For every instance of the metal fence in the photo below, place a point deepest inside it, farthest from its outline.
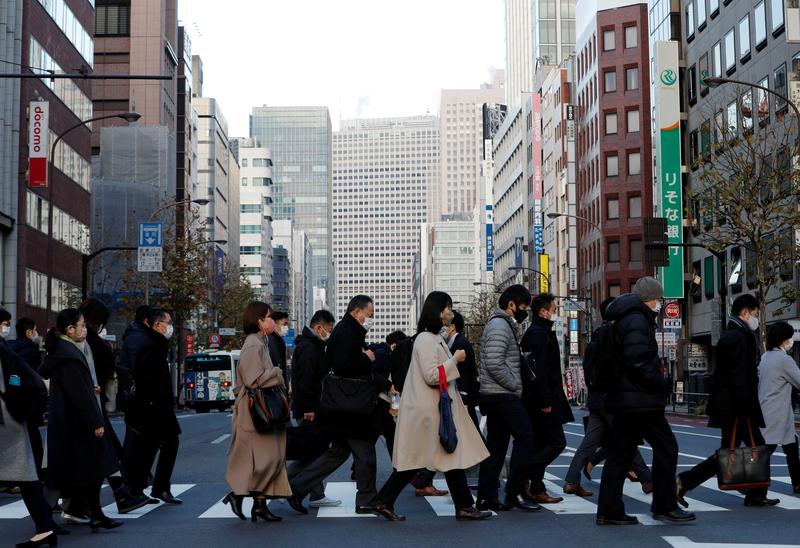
(690, 403)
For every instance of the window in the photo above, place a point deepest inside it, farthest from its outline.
(701, 14)
(705, 137)
(250, 208)
(747, 109)
(703, 67)
(634, 163)
(691, 84)
(731, 122)
(632, 121)
(693, 144)
(708, 277)
(634, 207)
(250, 250)
(777, 16)
(612, 209)
(716, 60)
(635, 249)
(611, 123)
(35, 288)
(780, 86)
(744, 38)
(612, 165)
(244, 162)
(244, 181)
(614, 290)
(631, 37)
(730, 52)
(713, 7)
(613, 252)
(689, 20)
(250, 229)
(608, 40)
(610, 81)
(632, 78)
(37, 210)
(760, 23)
(763, 101)
(112, 20)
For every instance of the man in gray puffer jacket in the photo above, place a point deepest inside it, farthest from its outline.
(501, 403)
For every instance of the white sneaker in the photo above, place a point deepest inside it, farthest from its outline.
(324, 501)
(75, 520)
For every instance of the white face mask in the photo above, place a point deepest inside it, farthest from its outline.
(445, 333)
(284, 330)
(5, 330)
(170, 331)
(657, 309)
(788, 347)
(103, 333)
(752, 323)
(324, 335)
(368, 323)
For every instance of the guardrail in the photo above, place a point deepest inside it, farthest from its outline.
(690, 403)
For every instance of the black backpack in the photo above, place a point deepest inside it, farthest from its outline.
(25, 392)
(603, 359)
(400, 361)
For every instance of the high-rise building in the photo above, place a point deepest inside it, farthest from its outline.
(255, 215)
(461, 138)
(293, 291)
(614, 151)
(186, 128)
(299, 139)
(455, 262)
(384, 171)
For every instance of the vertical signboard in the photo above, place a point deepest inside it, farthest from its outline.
(544, 273)
(536, 116)
(38, 145)
(489, 238)
(518, 245)
(668, 160)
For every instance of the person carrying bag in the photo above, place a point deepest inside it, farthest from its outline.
(448, 435)
(745, 467)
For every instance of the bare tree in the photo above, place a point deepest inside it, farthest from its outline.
(481, 308)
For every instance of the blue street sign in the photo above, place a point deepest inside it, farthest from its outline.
(150, 235)
(289, 338)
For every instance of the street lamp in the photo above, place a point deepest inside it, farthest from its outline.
(525, 268)
(129, 117)
(198, 201)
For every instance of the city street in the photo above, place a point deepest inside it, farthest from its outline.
(203, 521)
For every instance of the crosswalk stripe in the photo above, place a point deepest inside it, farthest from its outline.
(222, 510)
(570, 504)
(15, 510)
(111, 509)
(443, 506)
(346, 492)
(788, 502)
(220, 439)
(634, 491)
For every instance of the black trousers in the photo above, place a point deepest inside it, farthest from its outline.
(505, 419)
(36, 446)
(548, 443)
(37, 507)
(627, 430)
(389, 427)
(142, 453)
(792, 460)
(456, 482)
(708, 468)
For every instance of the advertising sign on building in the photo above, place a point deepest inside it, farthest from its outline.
(38, 142)
(544, 273)
(538, 231)
(668, 158)
(518, 244)
(489, 238)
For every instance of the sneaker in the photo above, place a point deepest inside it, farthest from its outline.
(75, 520)
(324, 502)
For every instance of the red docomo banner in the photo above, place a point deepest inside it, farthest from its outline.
(38, 133)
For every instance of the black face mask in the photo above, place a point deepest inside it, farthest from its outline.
(520, 315)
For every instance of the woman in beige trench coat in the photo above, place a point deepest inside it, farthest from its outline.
(416, 439)
(256, 462)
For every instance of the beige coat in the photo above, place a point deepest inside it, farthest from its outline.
(256, 462)
(416, 439)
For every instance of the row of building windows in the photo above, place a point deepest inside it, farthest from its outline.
(777, 18)
(63, 296)
(72, 164)
(250, 208)
(64, 88)
(70, 231)
(634, 164)
(631, 122)
(71, 27)
(258, 162)
(257, 181)
(113, 19)
(250, 250)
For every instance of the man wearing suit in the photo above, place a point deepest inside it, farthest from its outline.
(468, 369)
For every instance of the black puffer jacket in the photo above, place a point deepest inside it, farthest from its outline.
(308, 368)
(641, 386)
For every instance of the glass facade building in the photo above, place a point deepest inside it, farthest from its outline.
(299, 139)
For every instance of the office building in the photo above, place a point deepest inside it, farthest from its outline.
(293, 289)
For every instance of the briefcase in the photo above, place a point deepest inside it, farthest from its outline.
(347, 395)
(743, 467)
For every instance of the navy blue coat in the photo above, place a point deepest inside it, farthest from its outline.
(548, 390)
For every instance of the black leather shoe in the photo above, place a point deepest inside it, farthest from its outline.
(676, 516)
(260, 510)
(129, 503)
(619, 520)
(49, 540)
(236, 504)
(472, 514)
(387, 512)
(521, 504)
(493, 504)
(680, 492)
(297, 504)
(166, 496)
(365, 510)
(104, 523)
(763, 501)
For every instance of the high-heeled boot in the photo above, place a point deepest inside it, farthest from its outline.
(236, 504)
(260, 510)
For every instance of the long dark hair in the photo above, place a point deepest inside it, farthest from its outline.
(65, 318)
(430, 319)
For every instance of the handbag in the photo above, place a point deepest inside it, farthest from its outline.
(269, 408)
(447, 427)
(346, 395)
(743, 467)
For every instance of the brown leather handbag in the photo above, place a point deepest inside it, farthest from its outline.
(743, 467)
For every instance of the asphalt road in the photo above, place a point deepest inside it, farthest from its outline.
(202, 521)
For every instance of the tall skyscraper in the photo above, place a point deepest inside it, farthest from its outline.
(384, 171)
(299, 139)
(461, 138)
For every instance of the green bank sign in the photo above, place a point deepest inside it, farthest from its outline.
(668, 160)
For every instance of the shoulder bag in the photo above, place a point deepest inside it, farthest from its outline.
(743, 467)
(448, 436)
(269, 408)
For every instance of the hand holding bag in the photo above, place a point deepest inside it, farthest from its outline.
(743, 467)
(447, 427)
(346, 395)
(269, 408)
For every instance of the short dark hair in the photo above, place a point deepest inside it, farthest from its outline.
(744, 302)
(516, 294)
(458, 321)
(395, 337)
(278, 315)
(141, 313)
(5, 315)
(604, 306)
(156, 314)
(321, 317)
(541, 301)
(359, 302)
(777, 333)
(23, 324)
(430, 318)
(66, 318)
(256, 310)
(95, 313)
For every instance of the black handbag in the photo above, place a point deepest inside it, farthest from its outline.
(346, 395)
(743, 467)
(448, 436)
(269, 408)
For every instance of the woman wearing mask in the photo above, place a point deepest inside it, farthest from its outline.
(777, 374)
(256, 462)
(79, 452)
(416, 440)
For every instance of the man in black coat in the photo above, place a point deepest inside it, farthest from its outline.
(638, 403)
(150, 413)
(468, 369)
(275, 342)
(27, 345)
(544, 398)
(734, 395)
(347, 356)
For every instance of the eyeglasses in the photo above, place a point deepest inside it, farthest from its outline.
(82, 325)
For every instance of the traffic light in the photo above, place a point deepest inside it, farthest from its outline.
(655, 233)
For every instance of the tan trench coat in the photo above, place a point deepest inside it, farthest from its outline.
(416, 439)
(256, 462)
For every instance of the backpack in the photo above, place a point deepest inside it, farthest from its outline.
(25, 392)
(603, 359)
(400, 361)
